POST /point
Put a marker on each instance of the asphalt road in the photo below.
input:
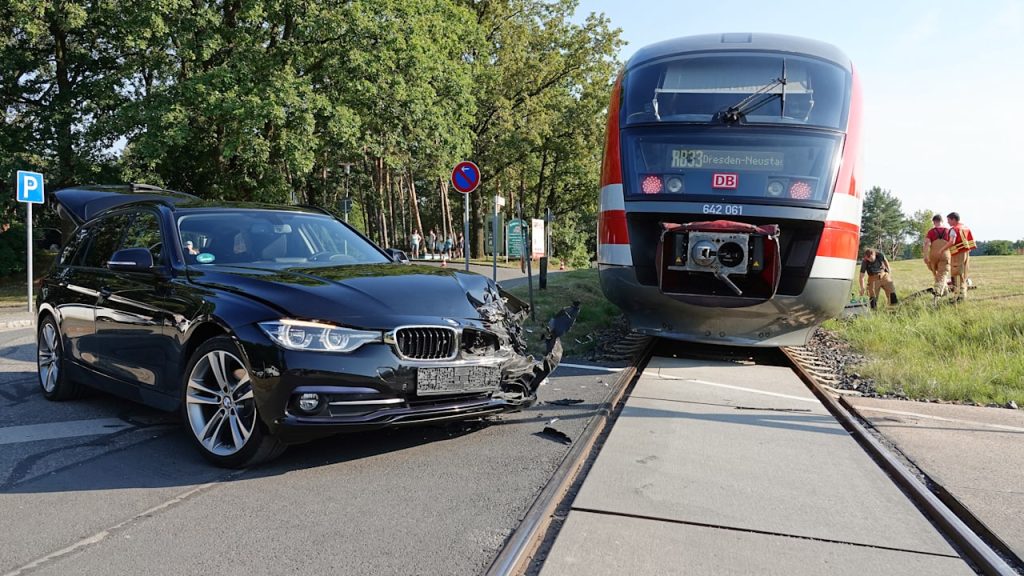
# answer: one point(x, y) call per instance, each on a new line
point(104, 486)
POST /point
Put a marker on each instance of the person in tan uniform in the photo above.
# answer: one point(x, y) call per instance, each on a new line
point(936, 255)
point(960, 242)
point(876, 267)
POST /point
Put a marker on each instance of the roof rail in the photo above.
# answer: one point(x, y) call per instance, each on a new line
point(134, 186)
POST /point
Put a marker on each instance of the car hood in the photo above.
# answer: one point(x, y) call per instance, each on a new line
point(375, 296)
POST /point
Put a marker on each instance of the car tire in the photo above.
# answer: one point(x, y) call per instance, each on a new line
point(53, 379)
point(219, 409)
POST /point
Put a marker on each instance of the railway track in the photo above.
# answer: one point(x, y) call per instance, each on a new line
point(527, 547)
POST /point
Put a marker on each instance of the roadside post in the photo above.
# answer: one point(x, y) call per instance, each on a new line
point(347, 202)
point(346, 206)
point(498, 203)
point(29, 191)
point(465, 179)
point(538, 249)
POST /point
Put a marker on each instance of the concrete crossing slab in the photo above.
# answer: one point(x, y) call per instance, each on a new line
point(974, 453)
point(597, 545)
point(747, 448)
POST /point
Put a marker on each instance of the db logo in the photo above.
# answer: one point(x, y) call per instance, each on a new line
point(727, 180)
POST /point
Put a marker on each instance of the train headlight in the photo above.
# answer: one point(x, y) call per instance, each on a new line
point(674, 184)
point(776, 188)
point(651, 184)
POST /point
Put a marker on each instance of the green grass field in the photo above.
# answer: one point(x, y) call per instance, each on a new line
point(596, 313)
point(970, 352)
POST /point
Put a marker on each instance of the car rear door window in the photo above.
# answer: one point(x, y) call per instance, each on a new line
point(104, 239)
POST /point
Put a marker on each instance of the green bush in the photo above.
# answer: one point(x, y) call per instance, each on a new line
point(571, 239)
point(12, 250)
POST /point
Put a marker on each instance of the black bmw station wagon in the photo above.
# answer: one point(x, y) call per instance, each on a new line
point(269, 325)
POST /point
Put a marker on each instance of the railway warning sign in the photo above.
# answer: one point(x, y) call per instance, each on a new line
point(466, 177)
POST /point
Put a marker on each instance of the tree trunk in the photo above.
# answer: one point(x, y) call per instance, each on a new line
point(540, 182)
point(403, 209)
point(62, 103)
point(382, 219)
point(415, 203)
point(476, 227)
point(393, 223)
point(446, 221)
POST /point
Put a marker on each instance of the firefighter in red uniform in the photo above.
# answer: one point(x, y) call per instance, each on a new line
point(936, 255)
point(879, 278)
point(960, 243)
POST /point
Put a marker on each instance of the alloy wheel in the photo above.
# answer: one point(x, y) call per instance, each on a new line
point(48, 350)
point(220, 406)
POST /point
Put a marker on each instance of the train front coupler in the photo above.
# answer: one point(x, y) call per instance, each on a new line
point(719, 263)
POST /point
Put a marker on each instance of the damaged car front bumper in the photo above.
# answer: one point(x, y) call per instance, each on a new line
point(304, 395)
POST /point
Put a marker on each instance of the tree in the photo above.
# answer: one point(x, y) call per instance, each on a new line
point(265, 100)
point(883, 225)
point(996, 248)
point(532, 73)
point(916, 227)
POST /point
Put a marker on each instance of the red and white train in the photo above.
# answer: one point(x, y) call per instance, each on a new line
point(730, 203)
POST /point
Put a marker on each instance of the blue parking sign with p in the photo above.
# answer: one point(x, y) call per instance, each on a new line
point(30, 187)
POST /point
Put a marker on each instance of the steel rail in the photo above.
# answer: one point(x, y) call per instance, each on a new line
point(514, 556)
point(984, 557)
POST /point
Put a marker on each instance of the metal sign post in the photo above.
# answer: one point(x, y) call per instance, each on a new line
point(465, 230)
point(29, 191)
point(465, 178)
point(498, 203)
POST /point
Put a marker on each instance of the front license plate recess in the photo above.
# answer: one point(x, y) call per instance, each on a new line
point(457, 379)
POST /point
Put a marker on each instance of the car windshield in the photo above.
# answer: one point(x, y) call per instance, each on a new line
point(272, 238)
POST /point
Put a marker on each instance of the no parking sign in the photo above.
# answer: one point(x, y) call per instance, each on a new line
point(466, 177)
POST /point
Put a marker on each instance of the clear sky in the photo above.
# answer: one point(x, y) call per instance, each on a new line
point(943, 87)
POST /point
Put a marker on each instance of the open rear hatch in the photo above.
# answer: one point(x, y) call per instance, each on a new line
point(81, 204)
point(719, 263)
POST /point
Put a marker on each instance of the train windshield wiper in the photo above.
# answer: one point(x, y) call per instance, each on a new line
point(759, 98)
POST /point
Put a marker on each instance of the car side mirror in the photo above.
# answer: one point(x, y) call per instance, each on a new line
point(131, 260)
point(397, 255)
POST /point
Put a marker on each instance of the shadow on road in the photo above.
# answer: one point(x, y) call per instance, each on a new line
point(164, 457)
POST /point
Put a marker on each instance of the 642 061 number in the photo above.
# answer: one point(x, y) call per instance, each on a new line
point(723, 209)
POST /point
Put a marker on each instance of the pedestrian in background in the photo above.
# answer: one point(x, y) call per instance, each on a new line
point(432, 242)
point(876, 267)
point(416, 238)
point(936, 255)
point(960, 242)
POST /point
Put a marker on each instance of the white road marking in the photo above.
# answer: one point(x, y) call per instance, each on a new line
point(940, 418)
point(586, 367)
point(56, 430)
point(740, 388)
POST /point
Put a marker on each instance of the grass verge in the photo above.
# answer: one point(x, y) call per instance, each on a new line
point(13, 291)
point(596, 312)
point(972, 352)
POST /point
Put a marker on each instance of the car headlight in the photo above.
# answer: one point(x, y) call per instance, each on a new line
point(301, 335)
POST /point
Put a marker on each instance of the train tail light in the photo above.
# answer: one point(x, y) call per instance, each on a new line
point(651, 184)
point(801, 190)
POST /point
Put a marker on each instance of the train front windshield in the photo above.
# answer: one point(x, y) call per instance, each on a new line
point(757, 128)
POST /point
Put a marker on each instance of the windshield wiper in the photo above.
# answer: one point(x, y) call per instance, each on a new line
point(738, 111)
